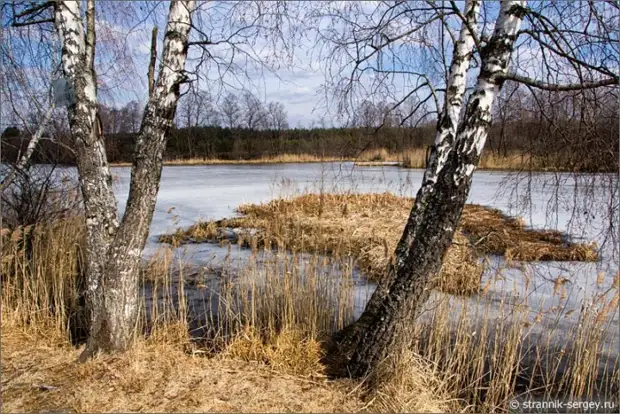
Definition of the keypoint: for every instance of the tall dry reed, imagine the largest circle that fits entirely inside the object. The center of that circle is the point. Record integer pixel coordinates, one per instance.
(477, 353)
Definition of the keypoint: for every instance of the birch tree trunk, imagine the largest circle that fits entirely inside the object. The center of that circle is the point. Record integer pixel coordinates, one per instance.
(92, 165)
(113, 250)
(115, 327)
(444, 139)
(438, 206)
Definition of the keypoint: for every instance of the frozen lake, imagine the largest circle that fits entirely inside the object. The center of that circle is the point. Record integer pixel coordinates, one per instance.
(584, 207)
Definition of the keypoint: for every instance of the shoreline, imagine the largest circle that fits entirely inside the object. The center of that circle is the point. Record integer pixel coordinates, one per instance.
(357, 163)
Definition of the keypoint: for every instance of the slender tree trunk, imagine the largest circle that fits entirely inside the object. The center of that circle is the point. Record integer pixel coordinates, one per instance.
(117, 320)
(93, 169)
(444, 139)
(113, 250)
(437, 209)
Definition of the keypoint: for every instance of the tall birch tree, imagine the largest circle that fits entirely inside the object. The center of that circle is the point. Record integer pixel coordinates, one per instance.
(114, 245)
(371, 48)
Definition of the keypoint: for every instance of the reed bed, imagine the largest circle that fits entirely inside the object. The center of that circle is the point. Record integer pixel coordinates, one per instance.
(408, 158)
(416, 158)
(276, 159)
(368, 226)
(267, 332)
(42, 272)
(262, 348)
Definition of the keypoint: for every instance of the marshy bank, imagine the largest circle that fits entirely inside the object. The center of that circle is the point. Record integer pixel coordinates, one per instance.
(549, 327)
(368, 227)
(506, 302)
(269, 323)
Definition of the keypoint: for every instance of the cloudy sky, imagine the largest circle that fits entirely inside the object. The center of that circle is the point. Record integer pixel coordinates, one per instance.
(293, 77)
(281, 57)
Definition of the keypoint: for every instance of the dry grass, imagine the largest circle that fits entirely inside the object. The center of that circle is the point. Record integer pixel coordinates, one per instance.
(265, 354)
(365, 226)
(408, 158)
(274, 315)
(492, 232)
(401, 381)
(489, 357)
(41, 267)
(290, 351)
(40, 374)
(368, 226)
(416, 158)
(277, 159)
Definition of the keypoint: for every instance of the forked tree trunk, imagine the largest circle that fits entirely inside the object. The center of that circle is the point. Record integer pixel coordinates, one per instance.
(93, 169)
(444, 139)
(115, 328)
(437, 209)
(113, 250)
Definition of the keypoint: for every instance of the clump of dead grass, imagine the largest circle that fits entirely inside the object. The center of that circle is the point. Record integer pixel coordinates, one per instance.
(406, 383)
(40, 374)
(365, 226)
(368, 227)
(492, 232)
(41, 270)
(289, 351)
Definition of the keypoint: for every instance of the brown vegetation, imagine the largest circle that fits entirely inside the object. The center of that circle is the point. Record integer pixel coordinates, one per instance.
(492, 232)
(266, 351)
(277, 159)
(368, 226)
(40, 374)
(409, 158)
(416, 158)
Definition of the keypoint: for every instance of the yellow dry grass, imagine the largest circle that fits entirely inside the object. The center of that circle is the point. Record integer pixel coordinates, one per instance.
(401, 381)
(290, 351)
(368, 227)
(408, 158)
(416, 158)
(277, 159)
(41, 374)
(365, 226)
(494, 233)
(269, 356)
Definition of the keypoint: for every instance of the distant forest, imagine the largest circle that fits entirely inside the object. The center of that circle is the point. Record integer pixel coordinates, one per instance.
(242, 128)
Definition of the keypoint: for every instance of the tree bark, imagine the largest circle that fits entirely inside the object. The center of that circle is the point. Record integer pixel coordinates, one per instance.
(444, 139)
(153, 61)
(93, 169)
(113, 250)
(438, 206)
(118, 324)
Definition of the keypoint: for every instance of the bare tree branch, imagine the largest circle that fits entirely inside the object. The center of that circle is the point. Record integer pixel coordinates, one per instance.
(560, 88)
(153, 61)
(23, 162)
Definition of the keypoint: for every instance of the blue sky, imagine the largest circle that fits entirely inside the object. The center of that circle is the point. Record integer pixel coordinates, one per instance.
(294, 75)
(296, 83)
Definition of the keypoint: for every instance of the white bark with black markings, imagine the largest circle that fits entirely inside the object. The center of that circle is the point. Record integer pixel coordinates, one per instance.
(444, 140)
(113, 249)
(93, 169)
(386, 322)
(121, 290)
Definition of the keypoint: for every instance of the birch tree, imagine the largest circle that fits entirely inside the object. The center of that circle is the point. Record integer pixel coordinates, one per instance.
(388, 42)
(114, 245)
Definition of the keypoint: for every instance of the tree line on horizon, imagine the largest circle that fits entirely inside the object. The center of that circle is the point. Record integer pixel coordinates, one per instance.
(241, 127)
